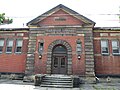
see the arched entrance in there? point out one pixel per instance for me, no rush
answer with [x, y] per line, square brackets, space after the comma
[59, 60]
[64, 58]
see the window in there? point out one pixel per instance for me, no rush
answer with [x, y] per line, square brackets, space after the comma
[9, 46]
[79, 47]
[1, 45]
[115, 47]
[19, 44]
[41, 44]
[104, 47]
[59, 49]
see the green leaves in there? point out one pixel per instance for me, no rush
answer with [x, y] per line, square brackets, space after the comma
[4, 20]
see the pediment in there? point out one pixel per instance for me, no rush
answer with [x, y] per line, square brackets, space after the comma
[60, 16]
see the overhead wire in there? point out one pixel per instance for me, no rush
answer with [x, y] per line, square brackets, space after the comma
[56, 15]
[59, 14]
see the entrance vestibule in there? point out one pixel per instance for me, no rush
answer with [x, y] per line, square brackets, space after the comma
[59, 60]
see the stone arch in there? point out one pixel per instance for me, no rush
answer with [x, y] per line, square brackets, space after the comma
[69, 55]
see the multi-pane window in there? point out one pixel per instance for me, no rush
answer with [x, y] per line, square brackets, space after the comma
[1, 45]
[19, 44]
[41, 44]
[115, 47]
[9, 46]
[104, 47]
[79, 47]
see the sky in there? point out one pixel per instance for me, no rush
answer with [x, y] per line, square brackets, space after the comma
[105, 13]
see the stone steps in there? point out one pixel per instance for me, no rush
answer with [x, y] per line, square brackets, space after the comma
[57, 81]
[58, 86]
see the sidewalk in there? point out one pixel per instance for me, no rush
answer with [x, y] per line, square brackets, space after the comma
[19, 85]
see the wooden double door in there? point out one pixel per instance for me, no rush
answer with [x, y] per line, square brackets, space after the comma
[59, 65]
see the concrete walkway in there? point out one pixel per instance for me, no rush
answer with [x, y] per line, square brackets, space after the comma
[31, 87]
[19, 85]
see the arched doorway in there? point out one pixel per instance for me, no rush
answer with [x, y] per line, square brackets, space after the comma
[59, 60]
[51, 47]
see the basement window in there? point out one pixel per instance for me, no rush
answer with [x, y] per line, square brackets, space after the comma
[1, 45]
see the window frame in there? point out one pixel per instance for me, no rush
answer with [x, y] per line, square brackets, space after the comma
[9, 46]
[79, 47]
[2, 45]
[107, 42]
[18, 46]
[118, 47]
[40, 46]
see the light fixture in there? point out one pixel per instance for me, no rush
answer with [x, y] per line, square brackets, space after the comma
[79, 57]
[40, 56]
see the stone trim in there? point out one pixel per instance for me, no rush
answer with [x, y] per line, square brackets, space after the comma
[30, 54]
[69, 55]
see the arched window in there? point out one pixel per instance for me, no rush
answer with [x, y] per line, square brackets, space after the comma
[59, 49]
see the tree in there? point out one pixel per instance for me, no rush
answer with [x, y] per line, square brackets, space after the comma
[4, 20]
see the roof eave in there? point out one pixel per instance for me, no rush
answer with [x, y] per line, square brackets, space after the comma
[51, 11]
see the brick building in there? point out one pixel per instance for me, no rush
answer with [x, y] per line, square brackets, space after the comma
[60, 41]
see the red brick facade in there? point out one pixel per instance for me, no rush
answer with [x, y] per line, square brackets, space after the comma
[69, 20]
[60, 26]
[78, 66]
[13, 62]
[106, 64]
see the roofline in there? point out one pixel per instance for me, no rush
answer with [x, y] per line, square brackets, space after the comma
[13, 29]
[77, 13]
[56, 7]
[41, 15]
[106, 28]
[94, 28]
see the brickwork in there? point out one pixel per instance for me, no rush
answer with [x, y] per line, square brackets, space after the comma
[50, 20]
[76, 66]
[61, 26]
[13, 62]
[66, 30]
[109, 64]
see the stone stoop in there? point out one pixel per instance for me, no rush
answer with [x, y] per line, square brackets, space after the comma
[57, 81]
